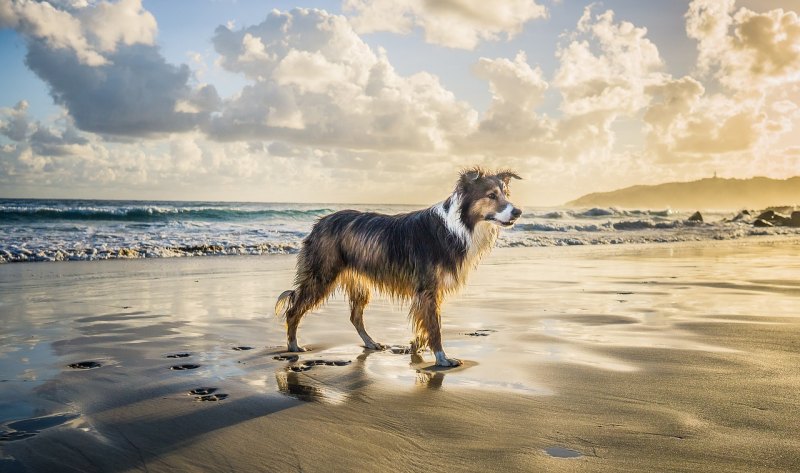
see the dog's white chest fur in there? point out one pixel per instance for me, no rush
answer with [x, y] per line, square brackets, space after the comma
[452, 219]
[476, 242]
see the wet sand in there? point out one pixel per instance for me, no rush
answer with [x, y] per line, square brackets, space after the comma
[680, 357]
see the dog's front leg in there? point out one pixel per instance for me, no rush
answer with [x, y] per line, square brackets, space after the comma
[427, 323]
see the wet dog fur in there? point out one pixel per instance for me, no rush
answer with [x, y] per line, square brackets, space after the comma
[419, 256]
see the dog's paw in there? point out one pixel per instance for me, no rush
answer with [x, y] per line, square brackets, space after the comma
[443, 360]
[296, 349]
[449, 362]
[375, 346]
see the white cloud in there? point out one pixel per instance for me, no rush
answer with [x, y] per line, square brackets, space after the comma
[614, 78]
[311, 72]
[56, 27]
[253, 49]
[101, 63]
[512, 126]
[14, 121]
[611, 78]
[56, 157]
[452, 23]
[746, 51]
[708, 22]
[186, 155]
[751, 55]
[90, 32]
[124, 22]
[316, 82]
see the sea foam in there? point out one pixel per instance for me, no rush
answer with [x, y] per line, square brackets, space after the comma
[71, 230]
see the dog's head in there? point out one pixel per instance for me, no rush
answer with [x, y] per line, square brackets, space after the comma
[484, 197]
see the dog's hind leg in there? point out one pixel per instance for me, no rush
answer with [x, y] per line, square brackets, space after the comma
[359, 298]
[309, 294]
[427, 320]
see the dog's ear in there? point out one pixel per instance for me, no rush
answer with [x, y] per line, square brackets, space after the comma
[469, 176]
[506, 176]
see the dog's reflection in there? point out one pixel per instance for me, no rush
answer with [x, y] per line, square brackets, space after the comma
[294, 381]
[299, 387]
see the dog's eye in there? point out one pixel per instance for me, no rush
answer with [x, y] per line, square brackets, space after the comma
[492, 196]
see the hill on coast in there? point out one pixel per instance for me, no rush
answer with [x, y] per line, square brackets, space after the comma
[711, 193]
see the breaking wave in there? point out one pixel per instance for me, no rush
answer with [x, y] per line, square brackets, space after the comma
[148, 214]
[58, 230]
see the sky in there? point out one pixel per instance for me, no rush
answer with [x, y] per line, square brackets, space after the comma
[384, 101]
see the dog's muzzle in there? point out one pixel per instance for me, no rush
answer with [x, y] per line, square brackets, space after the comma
[513, 216]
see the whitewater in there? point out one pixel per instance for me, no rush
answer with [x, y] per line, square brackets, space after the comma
[89, 230]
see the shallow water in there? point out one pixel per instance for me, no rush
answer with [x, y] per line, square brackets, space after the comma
[530, 324]
[560, 452]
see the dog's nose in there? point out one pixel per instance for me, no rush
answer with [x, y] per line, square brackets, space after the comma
[516, 212]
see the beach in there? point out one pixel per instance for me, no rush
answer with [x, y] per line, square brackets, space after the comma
[653, 357]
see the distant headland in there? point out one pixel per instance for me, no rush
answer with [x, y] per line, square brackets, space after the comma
[711, 193]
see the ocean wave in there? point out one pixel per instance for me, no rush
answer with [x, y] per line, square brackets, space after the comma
[554, 227]
[151, 214]
[648, 224]
[556, 214]
[679, 233]
[71, 230]
[595, 212]
[637, 233]
[63, 253]
[614, 212]
[600, 227]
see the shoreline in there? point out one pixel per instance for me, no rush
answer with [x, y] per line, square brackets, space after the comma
[102, 230]
[268, 250]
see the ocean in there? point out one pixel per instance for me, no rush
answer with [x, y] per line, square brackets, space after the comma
[89, 230]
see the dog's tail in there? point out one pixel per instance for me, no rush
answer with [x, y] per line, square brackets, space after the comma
[282, 305]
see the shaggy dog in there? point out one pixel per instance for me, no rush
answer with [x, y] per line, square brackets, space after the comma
[418, 256]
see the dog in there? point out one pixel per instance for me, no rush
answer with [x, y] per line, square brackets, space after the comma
[419, 256]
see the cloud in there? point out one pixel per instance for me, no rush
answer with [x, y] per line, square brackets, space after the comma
[51, 160]
[14, 121]
[56, 28]
[100, 62]
[612, 82]
[685, 120]
[606, 71]
[603, 73]
[89, 32]
[452, 23]
[614, 78]
[136, 94]
[54, 154]
[745, 50]
[709, 22]
[314, 81]
[752, 56]
[511, 125]
[124, 22]
[46, 141]
[321, 106]
[42, 140]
